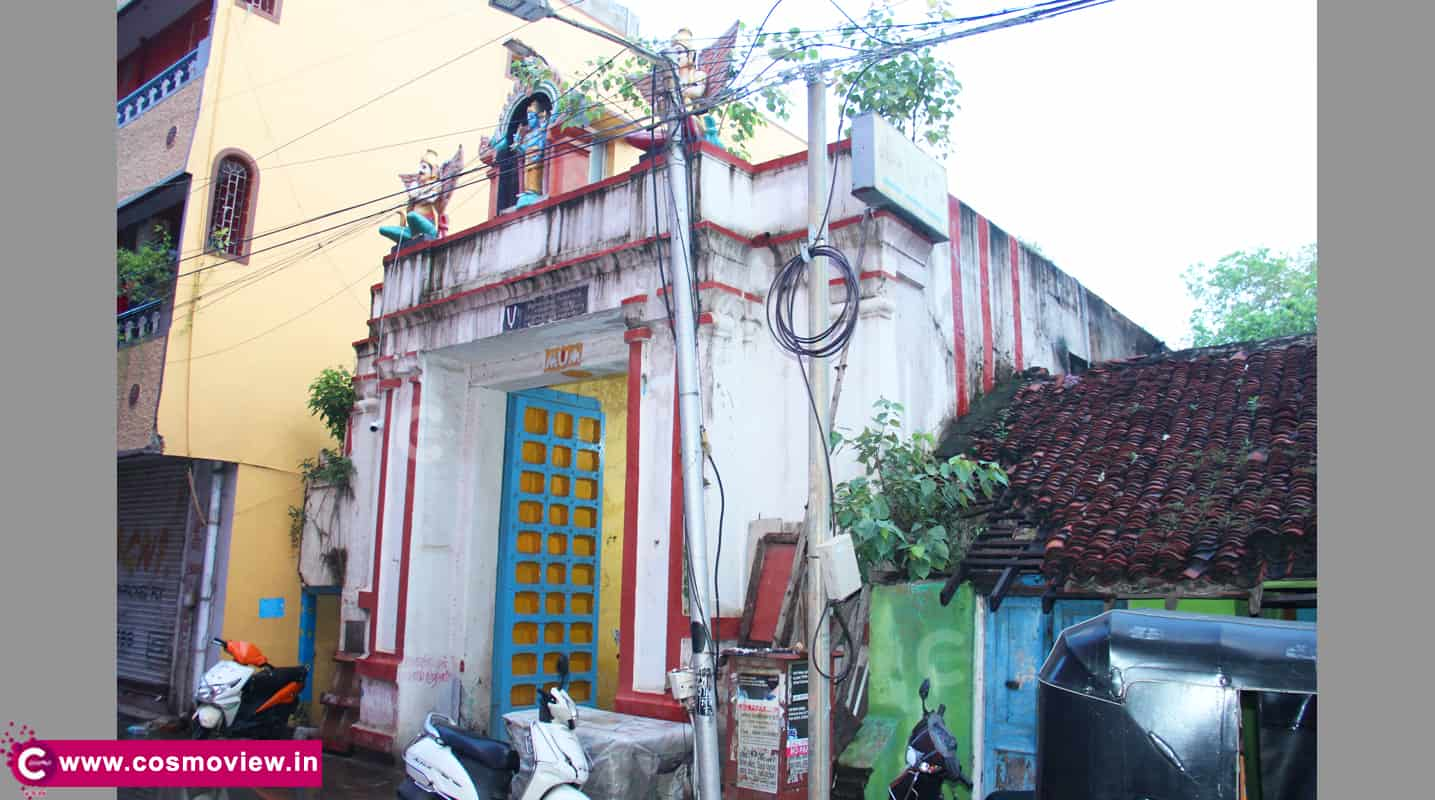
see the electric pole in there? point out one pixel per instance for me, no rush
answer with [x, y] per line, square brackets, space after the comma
[819, 658]
[704, 708]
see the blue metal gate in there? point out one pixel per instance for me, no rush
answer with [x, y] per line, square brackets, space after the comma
[547, 593]
[1019, 637]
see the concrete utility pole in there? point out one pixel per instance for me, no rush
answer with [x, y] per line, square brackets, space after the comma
[819, 658]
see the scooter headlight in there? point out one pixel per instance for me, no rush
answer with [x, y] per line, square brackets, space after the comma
[913, 757]
[209, 717]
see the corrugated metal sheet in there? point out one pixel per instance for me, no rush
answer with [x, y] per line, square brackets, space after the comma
[153, 506]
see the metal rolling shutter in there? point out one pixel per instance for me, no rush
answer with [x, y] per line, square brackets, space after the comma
[153, 504]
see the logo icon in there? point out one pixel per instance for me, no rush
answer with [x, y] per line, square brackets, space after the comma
[30, 761]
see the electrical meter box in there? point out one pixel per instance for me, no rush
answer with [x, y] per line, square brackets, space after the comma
[764, 693]
[841, 577]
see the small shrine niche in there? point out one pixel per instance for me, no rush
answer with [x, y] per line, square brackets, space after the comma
[521, 152]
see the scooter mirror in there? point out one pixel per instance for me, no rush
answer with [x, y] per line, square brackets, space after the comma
[926, 688]
[563, 671]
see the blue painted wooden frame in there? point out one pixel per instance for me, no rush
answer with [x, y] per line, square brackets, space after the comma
[308, 627]
[506, 615]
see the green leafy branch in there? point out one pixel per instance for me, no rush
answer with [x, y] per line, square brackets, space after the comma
[915, 90]
[907, 510]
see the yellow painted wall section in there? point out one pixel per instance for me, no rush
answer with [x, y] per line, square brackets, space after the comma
[328, 101]
[612, 396]
[326, 644]
[263, 564]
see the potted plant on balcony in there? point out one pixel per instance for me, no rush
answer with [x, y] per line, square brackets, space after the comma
[144, 273]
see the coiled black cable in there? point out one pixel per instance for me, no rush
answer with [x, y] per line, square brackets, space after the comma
[782, 304]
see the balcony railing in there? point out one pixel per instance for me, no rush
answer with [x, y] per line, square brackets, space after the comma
[141, 322]
[180, 74]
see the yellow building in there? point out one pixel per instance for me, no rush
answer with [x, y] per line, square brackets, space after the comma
[267, 139]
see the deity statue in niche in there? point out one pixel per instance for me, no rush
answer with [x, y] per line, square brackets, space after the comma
[429, 191]
[522, 153]
[533, 144]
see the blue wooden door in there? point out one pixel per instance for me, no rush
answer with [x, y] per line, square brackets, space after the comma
[1018, 638]
[547, 598]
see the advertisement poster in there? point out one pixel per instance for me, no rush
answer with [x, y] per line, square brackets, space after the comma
[797, 747]
[758, 713]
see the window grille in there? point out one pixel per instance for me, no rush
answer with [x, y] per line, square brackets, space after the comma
[229, 218]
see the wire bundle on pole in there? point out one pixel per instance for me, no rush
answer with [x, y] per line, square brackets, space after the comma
[782, 304]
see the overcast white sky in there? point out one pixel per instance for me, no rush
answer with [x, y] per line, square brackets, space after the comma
[1126, 141]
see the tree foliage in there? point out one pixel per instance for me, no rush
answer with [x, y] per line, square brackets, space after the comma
[906, 511]
[915, 90]
[1253, 294]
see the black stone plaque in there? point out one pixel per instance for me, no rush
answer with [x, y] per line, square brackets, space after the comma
[543, 310]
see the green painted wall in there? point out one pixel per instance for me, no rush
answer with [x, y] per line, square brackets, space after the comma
[1195, 606]
[914, 637]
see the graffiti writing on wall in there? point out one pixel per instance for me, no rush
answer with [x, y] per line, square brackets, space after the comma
[155, 645]
[142, 550]
[427, 670]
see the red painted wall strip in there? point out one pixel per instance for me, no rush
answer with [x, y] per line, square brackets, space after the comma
[627, 647]
[722, 287]
[1016, 300]
[408, 521]
[988, 356]
[959, 327]
[647, 704]
[676, 628]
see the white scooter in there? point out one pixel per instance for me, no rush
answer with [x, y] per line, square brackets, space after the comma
[246, 698]
[446, 762]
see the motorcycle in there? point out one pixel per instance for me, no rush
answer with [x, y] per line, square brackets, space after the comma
[247, 697]
[447, 762]
[931, 757]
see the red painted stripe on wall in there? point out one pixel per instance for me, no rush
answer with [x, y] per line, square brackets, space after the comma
[676, 628]
[1016, 301]
[959, 329]
[988, 356]
[405, 547]
[629, 606]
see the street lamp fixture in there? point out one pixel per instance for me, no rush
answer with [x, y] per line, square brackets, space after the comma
[534, 10]
[530, 10]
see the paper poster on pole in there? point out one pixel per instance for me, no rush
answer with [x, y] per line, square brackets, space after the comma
[758, 714]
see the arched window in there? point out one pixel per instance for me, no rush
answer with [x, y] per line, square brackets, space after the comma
[233, 206]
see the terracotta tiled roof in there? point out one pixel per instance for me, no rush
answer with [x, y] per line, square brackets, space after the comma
[1196, 466]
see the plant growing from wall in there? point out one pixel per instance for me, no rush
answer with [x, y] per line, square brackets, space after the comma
[331, 398]
[907, 511]
[145, 273]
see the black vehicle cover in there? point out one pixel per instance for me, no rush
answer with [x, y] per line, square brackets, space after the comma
[1149, 704]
